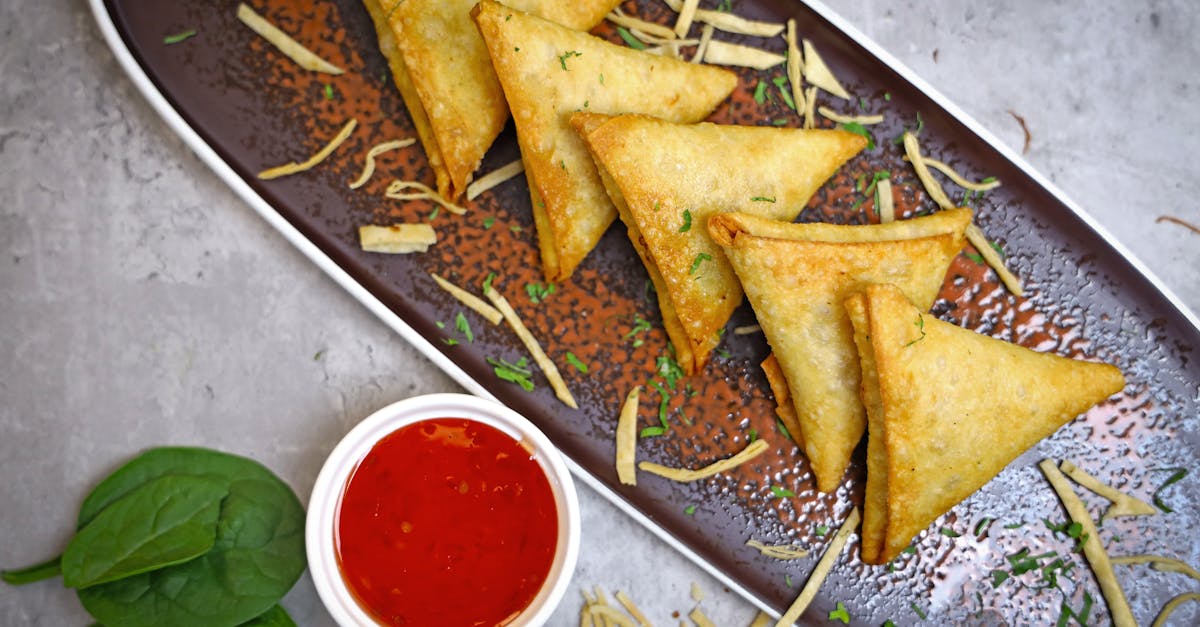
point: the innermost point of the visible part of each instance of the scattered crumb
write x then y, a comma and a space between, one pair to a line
1184, 223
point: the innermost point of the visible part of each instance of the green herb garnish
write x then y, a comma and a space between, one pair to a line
948, 532
1066, 613
982, 525
630, 41
689, 510
821, 530
651, 432
762, 198
464, 327
751, 435
976, 257
782, 428
517, 373
916, 610
178, 37
841, 614
920, 324
434, 214
760, 92
687, 221
1176, 475
669, 369
859, 129
487, 282
538, 292
700, 258
781, 493
562, 58
328, 91
781, 84
516, 228
574, 361
489, 221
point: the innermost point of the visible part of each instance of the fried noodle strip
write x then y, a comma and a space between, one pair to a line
375, 151
755, 449
311, 162
821, 571
473, 302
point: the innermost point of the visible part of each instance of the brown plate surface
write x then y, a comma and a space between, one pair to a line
257, 110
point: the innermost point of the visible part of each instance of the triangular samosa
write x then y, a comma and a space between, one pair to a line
549, 72
445, 76
797, 276
949, 409
672, 177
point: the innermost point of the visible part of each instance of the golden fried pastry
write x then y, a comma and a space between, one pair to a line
948, 409
445, 76
667, 179
548, 72
797, 276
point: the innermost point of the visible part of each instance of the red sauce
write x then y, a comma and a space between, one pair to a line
446, 522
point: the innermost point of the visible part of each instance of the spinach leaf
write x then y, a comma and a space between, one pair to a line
165, 521
257, 556
274, 617
29, 574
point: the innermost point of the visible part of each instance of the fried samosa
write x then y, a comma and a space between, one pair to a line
948, 409
665, 177
444, 74
796, 277
549, 72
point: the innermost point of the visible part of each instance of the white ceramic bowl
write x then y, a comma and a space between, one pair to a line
327, 492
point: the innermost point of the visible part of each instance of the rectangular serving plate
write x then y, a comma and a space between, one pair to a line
237, 110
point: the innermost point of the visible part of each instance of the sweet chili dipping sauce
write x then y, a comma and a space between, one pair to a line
446, 522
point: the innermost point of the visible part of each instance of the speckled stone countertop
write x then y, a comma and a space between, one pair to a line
143, 303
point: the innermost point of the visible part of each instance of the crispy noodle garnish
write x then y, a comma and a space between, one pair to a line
632, 608
1093, 550
532, 345
1122, 504
1167, 609
731, 23
395, 191
755, 449
912, 150
748, 329
885, 204
627, 439
620, 18
778, 551
494, 178
725, 53
821, 571
288, 46
473, 302
597, 612
851, 119
313, 161
762, 619
810, 105
687, 13
700, 618
795, 68
375, 151
1160, 563
819, 74
397, 238
960, 180
705, 38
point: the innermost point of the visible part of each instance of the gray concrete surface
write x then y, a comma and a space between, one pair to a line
142, 303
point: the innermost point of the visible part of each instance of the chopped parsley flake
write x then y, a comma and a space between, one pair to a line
464, 327
687, 221
859, 129
487, 281
449, 341
787, 579
689, 510
976, 257
781, 84
440, 324
780, 122
983, 525
841, 614
762, 198
319, 354
916, 610
700, 258
920, 324
489, 221
781, 493
782, 428
574, 361
630, 41
652, 432
1081, 616
562, 58
752, 435
949, 533
821, 530
434, 214
760, 92
640, 325
669, 369
178, 37
517, 373
516, 228
539, 291
328, 91
1176, 475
